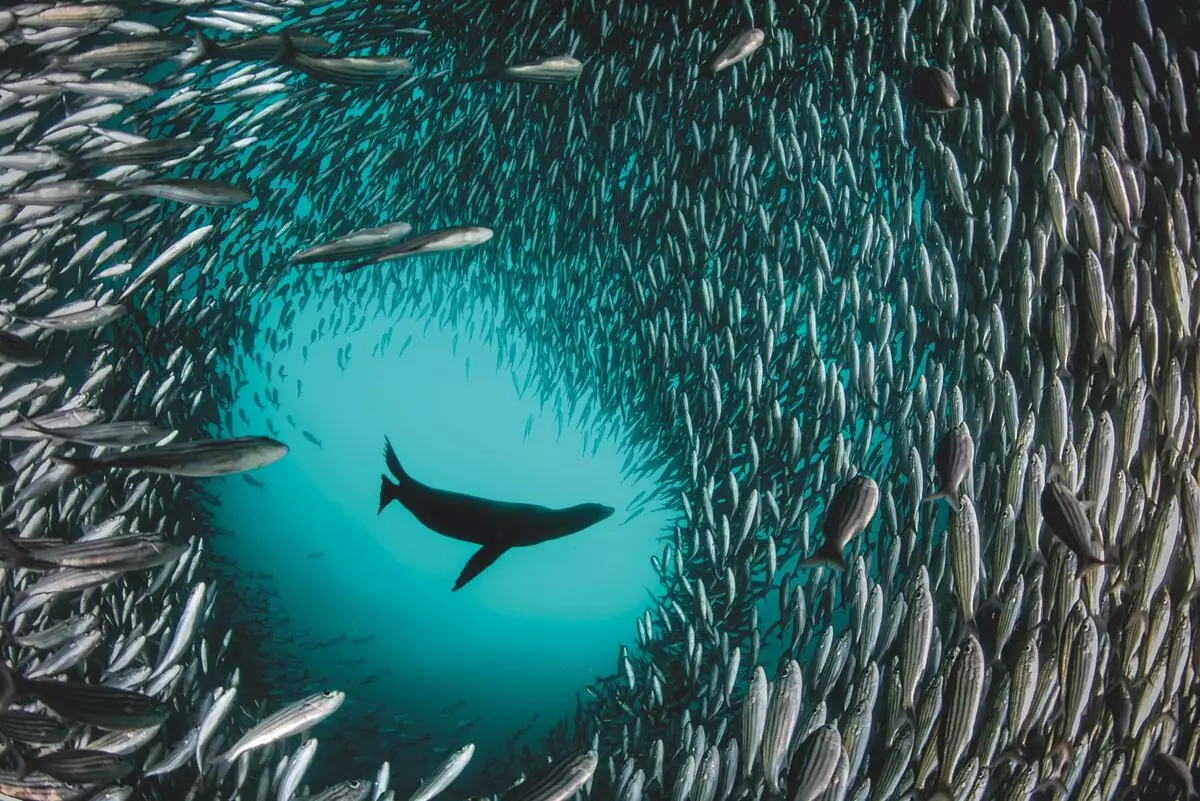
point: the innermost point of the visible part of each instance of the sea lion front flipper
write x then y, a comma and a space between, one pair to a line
479, 562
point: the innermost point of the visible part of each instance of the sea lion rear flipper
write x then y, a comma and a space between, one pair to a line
479, 562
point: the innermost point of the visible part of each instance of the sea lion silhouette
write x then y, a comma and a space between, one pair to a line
496, 526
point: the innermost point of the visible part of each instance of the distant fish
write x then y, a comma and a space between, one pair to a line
443, 240
312, 439
740, 48
252, 481
496, 526
548, 70
316, 554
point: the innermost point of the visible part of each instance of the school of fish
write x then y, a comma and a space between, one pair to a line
920, 275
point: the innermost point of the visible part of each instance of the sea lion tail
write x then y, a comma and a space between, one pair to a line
388, 492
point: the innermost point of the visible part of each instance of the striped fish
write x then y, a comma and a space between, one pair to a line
84, 766
851, 511
358, 244
557, 781
781, 722
294, 719
40, 787
754, 719
1066, 519
966, 690
95, 705
815, 764
351, 790
954, 458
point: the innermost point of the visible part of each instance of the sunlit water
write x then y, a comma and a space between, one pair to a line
367, 597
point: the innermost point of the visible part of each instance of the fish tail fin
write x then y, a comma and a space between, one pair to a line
826, 557
206, 50
82, 464
943, 495
12, 551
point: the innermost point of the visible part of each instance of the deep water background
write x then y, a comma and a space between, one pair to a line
343, 598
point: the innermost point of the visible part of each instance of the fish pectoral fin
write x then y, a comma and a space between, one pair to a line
479, 562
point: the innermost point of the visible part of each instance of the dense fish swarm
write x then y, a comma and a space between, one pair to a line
818, 263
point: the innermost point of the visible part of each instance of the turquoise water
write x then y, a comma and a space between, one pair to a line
363, 601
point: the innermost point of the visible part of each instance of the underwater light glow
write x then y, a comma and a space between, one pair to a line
525, 635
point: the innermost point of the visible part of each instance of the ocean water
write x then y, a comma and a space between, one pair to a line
362, 602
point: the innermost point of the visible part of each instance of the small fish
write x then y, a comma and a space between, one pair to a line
557, 781
850, 512
953, 458
294, 719
934, 89
350, 71
446, 773
443, 240
190, 190
740, 48
359, 244
549, 70
84, 766
1067, 520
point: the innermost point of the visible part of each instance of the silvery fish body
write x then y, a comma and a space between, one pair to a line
362, 243
445, 774
558, 781
194, 459
443, 240
294, 719
740, 48
547, 70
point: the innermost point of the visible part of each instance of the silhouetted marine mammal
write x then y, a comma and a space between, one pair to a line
494, 525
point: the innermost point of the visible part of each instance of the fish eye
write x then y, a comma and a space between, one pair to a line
327, 694
355, 784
